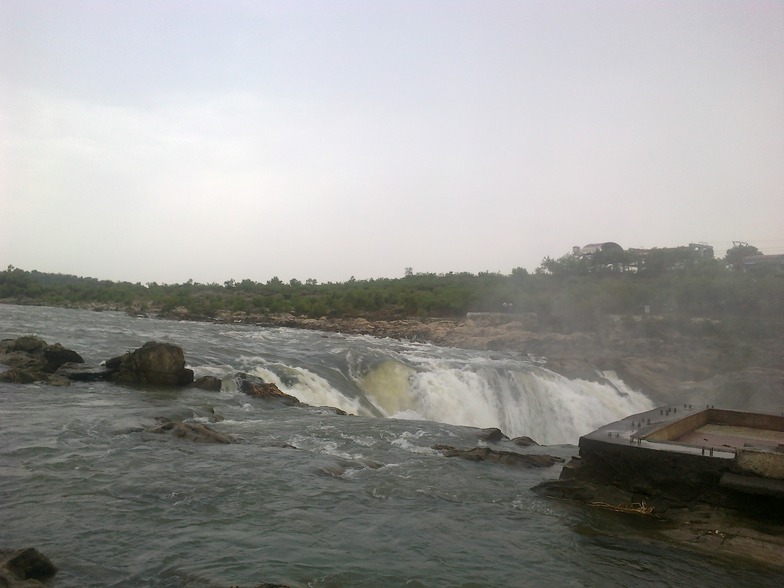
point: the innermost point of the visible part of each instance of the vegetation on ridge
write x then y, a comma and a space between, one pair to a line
566, 294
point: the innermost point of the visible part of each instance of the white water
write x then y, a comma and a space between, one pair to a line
518, 398
527, 400
367, 376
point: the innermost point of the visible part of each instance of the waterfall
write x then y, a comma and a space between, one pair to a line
517, 397
520, 400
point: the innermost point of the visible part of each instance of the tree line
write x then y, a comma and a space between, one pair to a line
567, 293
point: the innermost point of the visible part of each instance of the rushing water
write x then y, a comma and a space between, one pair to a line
357, 501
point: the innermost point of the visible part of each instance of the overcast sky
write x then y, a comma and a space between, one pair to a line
170, 140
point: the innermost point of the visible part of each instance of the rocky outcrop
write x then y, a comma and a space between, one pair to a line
32, 359
258, 388
524, 441
492, 435
154, 363
24, 568
196, 432
510, 458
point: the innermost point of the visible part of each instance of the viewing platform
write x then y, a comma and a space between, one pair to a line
692, 447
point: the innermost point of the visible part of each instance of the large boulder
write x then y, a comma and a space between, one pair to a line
24, 568
154, 363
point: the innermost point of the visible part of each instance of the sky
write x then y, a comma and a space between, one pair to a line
167, 140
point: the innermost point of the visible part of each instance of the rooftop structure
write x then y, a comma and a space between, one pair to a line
757, 262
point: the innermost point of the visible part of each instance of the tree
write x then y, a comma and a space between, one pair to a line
739, 252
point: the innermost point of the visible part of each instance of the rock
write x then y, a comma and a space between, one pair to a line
196, 432
83, 373
154, 363
332, 410
56, 355
28, 344
492, 435
20, 376
55, 380
503, 457
524, 441
24, 567
258, 388
23, 360
208, 383
32, 360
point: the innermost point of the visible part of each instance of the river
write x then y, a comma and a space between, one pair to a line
308, 497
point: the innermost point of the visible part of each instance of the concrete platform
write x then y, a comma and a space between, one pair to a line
702, 446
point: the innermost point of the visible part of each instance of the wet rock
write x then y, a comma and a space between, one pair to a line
20, 376
55, 380
332, 410
57, 355
83, 373
258, 388
28, 344
524, 441
32, 360
22, 360
492, 435
510, 458
339, 467
196, 432
208, 412
154, 363
24, 568
210, 383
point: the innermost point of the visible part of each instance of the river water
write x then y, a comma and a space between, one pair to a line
308, 497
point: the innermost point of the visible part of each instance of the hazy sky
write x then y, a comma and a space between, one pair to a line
166, 140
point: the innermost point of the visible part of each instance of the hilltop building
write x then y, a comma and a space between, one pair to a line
754, 263
594, 248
